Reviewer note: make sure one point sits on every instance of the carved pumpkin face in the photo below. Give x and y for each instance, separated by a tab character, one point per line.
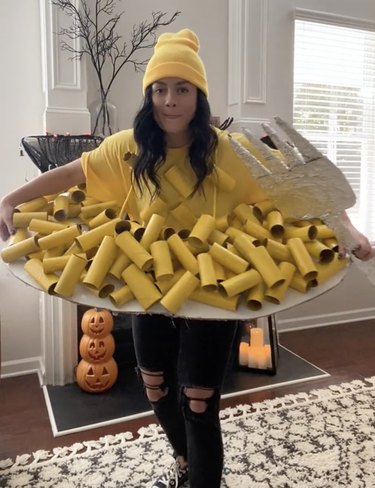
96	350
96	378
97	323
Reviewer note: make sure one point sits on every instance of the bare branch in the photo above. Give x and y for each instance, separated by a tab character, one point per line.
95	31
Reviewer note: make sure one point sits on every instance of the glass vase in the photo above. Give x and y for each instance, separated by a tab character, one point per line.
104	120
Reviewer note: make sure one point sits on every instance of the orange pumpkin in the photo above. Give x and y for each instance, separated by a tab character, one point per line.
97	350
95	378
97	322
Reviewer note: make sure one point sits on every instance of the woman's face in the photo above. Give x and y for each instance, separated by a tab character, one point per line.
174	104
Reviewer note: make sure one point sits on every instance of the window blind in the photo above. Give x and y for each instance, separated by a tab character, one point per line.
334	104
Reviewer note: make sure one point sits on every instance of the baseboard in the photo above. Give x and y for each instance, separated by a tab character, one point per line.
308	322
20	367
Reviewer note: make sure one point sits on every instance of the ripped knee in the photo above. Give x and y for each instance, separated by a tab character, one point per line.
154	384
198	398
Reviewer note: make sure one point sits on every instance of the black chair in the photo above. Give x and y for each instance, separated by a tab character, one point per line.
50	151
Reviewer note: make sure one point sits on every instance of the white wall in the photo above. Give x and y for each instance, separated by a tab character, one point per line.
208	19
22	114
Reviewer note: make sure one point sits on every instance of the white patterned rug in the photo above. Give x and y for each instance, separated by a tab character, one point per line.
323	439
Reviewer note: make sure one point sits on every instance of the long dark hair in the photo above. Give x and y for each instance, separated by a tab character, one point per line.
152	150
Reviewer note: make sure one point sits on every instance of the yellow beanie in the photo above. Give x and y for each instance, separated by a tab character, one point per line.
176	55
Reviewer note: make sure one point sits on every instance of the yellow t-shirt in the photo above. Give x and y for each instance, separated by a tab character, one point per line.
108	177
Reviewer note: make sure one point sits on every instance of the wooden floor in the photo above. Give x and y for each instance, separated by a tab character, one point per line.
345	351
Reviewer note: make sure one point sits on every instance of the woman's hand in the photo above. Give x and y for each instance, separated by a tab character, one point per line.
363	249
6	219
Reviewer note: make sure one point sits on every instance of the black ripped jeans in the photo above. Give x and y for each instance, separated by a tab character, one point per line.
190	353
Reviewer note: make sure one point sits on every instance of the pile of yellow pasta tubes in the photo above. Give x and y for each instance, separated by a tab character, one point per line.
252	256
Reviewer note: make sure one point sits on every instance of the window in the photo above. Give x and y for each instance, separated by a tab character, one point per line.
334	104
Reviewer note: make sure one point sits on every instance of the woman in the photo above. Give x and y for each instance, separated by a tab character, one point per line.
174	163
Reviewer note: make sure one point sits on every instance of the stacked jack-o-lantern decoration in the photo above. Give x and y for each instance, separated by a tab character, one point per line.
97	371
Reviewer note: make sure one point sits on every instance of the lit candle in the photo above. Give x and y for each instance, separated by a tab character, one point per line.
243	354
253	357
267	349
256	337
262	358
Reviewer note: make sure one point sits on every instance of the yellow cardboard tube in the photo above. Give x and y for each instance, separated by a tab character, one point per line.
157	206
45	227
76	195
20	235
141	286
244	246
74	210
241	282
74	248
220	272
277	293
204	226
261	209
61	237
23	219
302	258
261	261
331	243
104	290
228	259
123	225
183	254
180	292
90	201
70	276
306	233
324	232
319	251
101	263
245	212
46	281
50	265
326	271
93	237
54	252
221	223
215	299
167	232
167	283
300	284
121	262
207	271
255	297
257	230
90	211
103	217
38	255
134	250
152	231
61	207
20	249
233	232
35	205
163	266
275	223
179	182
183	215
121	296
278	251
218	237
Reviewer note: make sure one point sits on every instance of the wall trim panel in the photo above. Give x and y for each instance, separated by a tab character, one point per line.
255	13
